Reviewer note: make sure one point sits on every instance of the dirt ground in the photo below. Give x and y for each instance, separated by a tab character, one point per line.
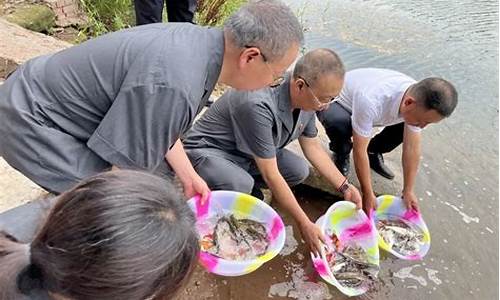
15	188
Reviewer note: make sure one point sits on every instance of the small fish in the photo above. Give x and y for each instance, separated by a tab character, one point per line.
350	266
351	279
236	239
401	236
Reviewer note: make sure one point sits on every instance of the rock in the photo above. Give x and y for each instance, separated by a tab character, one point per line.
19	44
15	188
6	67
68	12
36	17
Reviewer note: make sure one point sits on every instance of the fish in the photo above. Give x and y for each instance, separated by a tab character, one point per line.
401	236
351	279
350	266
236	239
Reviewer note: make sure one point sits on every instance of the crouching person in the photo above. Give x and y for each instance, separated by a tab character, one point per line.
239	143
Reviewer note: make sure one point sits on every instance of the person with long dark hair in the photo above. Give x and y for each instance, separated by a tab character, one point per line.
117	235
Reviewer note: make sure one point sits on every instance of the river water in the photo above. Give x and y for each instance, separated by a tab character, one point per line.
458	177
457	184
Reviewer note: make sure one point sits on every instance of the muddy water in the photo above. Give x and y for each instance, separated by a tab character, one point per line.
457	183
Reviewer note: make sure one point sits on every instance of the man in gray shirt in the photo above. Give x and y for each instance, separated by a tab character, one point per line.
124	99
240	140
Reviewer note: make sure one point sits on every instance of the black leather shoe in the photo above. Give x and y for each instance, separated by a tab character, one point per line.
343	163
377	164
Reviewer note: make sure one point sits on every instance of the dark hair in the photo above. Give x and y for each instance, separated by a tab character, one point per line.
436	93
117	235
317	63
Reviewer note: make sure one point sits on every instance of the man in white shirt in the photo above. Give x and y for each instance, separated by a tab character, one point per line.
374	97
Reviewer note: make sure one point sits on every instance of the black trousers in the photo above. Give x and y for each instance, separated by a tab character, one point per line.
337	122
150	11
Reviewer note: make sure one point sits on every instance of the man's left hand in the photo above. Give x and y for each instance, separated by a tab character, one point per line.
352	194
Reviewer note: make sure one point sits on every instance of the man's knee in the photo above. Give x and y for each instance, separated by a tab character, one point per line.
294	169
221	174
300	175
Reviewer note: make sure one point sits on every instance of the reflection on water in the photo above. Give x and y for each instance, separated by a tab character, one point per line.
458	177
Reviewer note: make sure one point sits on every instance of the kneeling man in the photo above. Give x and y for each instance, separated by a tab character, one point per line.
239	143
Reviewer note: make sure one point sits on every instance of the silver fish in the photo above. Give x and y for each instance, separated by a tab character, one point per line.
351	268
239	239
401	236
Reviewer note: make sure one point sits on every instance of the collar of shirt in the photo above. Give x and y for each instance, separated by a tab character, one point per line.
285	108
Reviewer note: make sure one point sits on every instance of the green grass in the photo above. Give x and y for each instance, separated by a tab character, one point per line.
214	12
106	16
111	15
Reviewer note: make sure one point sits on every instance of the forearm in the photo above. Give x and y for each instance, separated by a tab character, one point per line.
410	161
362	166
283	194
179	161
320	160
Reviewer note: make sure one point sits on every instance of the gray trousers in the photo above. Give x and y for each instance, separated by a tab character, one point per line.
24	221
225	171
36	146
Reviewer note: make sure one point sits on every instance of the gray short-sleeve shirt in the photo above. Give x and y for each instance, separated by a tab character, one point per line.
251	124
121	99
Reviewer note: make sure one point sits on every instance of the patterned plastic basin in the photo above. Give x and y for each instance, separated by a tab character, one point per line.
243	206
389	207
349	225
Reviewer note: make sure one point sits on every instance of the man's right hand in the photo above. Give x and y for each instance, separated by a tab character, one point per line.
369	203
312	235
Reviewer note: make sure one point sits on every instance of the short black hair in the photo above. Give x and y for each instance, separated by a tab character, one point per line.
436	93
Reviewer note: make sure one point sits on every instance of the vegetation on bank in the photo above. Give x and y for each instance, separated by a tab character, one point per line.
111	15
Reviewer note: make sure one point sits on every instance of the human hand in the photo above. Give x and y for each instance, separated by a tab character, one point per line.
352	194
369	203
410	200
312	235
196	186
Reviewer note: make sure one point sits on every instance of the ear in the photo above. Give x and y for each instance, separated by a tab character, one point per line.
249	54
300	83
409	101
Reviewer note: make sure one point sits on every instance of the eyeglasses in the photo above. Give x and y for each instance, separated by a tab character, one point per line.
321	105
277	80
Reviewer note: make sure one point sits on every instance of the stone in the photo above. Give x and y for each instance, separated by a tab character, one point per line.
19	44
36	17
